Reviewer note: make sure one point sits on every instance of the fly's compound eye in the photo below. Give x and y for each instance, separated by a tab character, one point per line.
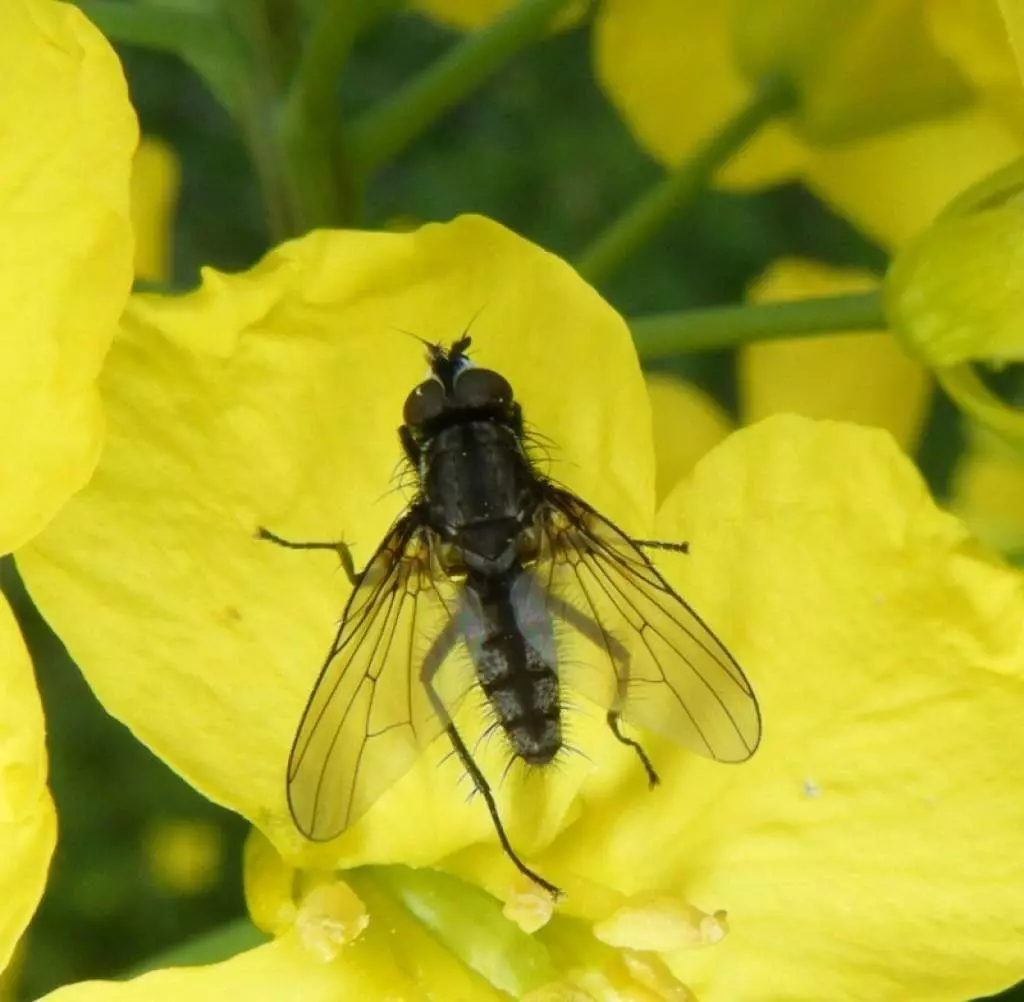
424	404
481	388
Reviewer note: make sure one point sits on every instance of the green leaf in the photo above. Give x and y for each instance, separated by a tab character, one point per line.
201	39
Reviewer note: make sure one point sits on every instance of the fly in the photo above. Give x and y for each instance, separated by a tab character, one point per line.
489	557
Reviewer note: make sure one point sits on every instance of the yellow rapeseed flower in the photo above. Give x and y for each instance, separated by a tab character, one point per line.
865	377
871	846
156	173
955	296
68	134
28	823
65	270
889	124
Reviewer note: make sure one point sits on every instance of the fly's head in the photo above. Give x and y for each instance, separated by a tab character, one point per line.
458	390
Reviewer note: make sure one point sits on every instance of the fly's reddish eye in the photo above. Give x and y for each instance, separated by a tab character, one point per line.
424	404
481	388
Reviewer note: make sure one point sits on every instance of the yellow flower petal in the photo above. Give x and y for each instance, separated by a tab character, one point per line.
273	398
28	824
974	35
860	68
687	423
670	69
281	971
882	811
863	70
865	378
1013	16
65	252
155	176
894	185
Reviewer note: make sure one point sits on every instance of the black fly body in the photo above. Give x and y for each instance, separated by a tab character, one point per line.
492	555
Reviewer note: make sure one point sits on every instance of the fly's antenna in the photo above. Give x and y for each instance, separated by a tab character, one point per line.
416	337
458	351
446	362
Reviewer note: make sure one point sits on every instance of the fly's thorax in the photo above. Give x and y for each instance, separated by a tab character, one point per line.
479	491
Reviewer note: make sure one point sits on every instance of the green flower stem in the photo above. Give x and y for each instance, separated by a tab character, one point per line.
642	220
208	948
671	334
322	189
383	132
268	66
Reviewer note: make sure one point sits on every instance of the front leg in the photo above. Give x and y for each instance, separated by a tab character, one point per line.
341	548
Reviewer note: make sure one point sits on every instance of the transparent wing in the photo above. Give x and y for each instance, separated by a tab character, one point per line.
651	656
370	714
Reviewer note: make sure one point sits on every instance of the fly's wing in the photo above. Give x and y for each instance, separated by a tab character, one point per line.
370	713
653	658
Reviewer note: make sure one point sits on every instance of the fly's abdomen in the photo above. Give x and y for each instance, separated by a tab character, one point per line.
524	696
511	640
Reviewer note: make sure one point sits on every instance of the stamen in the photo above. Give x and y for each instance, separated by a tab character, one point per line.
330	917
529	907
654	974
661	924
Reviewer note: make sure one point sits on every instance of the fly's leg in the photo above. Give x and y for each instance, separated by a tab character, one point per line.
613	723
657	544
435	657
598	636
340	548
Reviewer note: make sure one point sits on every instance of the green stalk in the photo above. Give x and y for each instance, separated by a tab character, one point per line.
382	133
670	334
322	188
202	41
965	387
651	212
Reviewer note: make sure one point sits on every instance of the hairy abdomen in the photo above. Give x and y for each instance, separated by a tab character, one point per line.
514	656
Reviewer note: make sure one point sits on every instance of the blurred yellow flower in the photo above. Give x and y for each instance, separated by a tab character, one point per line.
866	378
65	266
888	128
184	856
687	423
155	177
863	377
976	36
886	649
28	823
954	295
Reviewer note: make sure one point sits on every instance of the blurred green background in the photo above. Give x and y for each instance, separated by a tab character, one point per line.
537	148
